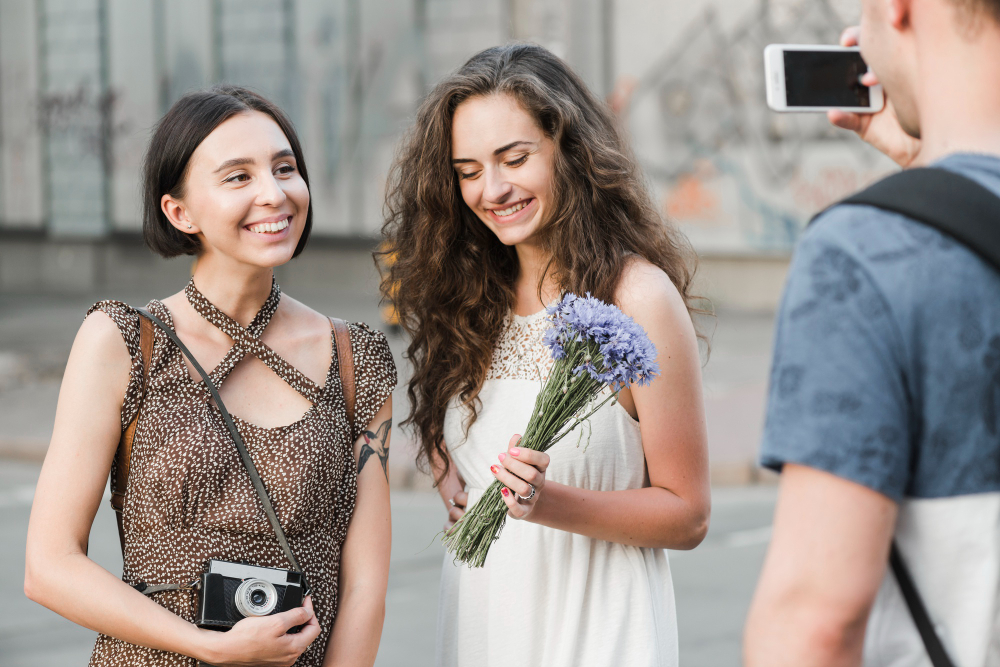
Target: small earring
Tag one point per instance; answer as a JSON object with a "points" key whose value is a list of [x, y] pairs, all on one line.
{"points": [[189, 226]]}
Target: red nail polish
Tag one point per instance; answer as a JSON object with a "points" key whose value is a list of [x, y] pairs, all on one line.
{"points": [[515, 451], [493, 469], [505, 492]]}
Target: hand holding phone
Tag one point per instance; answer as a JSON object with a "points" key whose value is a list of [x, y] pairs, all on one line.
{"points": [[882, 130], [819, 78]]}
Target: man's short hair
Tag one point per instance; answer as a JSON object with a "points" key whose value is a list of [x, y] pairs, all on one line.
{"points": [[972, 10]]}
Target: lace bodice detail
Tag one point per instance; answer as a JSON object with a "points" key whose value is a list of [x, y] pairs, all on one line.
{"points": [[520, 353]]}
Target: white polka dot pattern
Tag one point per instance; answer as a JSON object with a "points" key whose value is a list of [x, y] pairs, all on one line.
{"points": [[189, 497]]}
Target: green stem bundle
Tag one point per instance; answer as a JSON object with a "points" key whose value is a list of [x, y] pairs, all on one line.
{"points": [[557, 411]]}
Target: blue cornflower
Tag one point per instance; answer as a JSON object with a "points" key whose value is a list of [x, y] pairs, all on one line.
{"points": [[627, 354]]}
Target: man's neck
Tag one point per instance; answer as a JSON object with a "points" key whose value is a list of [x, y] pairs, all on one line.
{"points": [[959, 94]]}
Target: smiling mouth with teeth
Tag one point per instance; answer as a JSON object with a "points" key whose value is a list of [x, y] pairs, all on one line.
{"points": [[503, 213], [269, 227]]}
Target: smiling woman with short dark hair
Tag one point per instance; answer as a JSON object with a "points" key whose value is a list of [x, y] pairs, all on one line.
{"points": [[226, 181]]}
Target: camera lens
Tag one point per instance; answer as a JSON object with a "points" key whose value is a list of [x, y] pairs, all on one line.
{"points": [[256, 597]]}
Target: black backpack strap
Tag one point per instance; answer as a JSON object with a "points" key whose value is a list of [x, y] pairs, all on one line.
{"points": [[949, 202], [935, 649]]}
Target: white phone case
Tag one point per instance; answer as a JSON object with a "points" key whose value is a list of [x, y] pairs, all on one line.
{"points": [[774, 76]]}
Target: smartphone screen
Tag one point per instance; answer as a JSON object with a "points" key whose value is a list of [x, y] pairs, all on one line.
{"points": [[825, 79]]}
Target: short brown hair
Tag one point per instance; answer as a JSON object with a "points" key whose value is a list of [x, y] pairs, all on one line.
{"points": [[971, 10], [178, 134]]}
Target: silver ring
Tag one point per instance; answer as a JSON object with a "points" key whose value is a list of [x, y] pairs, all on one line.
{"points": [[529, 496], [452, 501]]}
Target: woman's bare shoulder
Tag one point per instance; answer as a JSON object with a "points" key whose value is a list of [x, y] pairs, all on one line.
{"points": [[644, 285], [100, 347], [104, 329], [307, 322]]}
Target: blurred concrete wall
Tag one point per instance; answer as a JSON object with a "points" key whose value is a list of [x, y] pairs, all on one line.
{"points": [[82, 83], [740, 178]]}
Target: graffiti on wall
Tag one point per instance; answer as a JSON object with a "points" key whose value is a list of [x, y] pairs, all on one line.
{"points": [[736, 176]]}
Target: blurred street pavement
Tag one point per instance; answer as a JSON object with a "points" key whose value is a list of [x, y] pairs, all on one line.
{"points": [[713, 583]]}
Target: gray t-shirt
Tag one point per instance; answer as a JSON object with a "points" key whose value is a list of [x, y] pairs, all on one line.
{"points": [[886, 372]]}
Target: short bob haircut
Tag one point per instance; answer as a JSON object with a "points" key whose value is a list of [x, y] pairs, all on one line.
{"points": [[178, 134]]}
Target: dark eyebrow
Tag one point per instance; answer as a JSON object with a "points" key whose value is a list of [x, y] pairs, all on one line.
{"points": [[235, 162], [238, 161], [499, 151], [504, 149]]}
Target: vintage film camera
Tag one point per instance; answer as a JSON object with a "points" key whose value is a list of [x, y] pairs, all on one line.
{"points": [[230, 592]]}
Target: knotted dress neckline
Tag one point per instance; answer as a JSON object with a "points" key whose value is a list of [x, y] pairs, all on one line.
{"points": [[247, 341]]}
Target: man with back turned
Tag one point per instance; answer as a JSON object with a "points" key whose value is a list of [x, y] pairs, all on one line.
{"points": [[884, 406]]}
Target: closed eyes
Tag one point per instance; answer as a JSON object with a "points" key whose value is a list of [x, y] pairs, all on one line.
{"points": [[517, 162]]}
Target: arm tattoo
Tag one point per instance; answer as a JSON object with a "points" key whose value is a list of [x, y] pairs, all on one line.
{"points": [[375, 443]]}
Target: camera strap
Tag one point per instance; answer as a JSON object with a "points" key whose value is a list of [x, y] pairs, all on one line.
{"points": [[258, 485]]}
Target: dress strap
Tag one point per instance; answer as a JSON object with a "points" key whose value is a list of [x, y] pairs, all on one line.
{"points": [[245, 341], [256, 328]]}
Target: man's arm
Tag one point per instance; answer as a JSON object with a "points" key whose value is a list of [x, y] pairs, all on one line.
{"points": [[823, 569]]}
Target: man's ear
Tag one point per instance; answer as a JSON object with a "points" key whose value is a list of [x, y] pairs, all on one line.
{"points": [[898, 13], [177, 214]]}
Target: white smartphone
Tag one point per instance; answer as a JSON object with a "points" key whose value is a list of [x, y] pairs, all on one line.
{"points": [[807, 77]]}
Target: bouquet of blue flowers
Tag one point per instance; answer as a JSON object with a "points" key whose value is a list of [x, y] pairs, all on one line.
{"points": [[595, 346]]}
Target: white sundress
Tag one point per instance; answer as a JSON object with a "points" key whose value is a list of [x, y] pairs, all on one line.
{"points": [[546, 596]]}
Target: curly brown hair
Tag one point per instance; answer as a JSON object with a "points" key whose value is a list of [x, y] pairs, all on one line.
{"points": [[449, 277]]}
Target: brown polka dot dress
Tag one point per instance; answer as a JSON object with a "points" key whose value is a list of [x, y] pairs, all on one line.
{"points": [[189, 498]]}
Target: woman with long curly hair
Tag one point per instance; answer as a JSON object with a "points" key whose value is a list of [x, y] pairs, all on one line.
{"points": [[514, 186]]}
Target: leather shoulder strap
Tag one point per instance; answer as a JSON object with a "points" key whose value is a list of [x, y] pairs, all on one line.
{"points": [[123, 456], [949, 202], [345, 360]]}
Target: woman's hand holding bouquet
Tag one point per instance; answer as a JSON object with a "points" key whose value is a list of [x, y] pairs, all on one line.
{"points": [[595, 347], [522, 475]]}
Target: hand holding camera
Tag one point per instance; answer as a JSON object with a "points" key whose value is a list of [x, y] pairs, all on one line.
{"points": [[263, 640]]}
